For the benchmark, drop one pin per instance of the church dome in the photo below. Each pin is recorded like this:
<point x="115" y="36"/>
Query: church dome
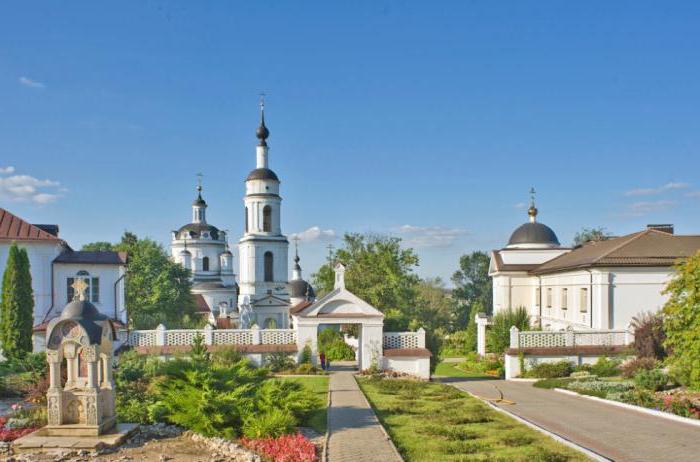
<point x="198" y="230"/>
<point x="533" y="233"/>
<point x="299" y="288"/>
<point x="81" y="309"/>
<point x="262" y="174"/>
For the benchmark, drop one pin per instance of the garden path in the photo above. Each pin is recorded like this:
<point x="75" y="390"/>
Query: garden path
<point x="615" y="433"/>
<point x="355" y="434"/>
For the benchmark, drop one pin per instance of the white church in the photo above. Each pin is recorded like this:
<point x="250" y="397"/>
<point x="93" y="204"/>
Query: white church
<point x="599" y="285"/>
<point x="264" y="295"/>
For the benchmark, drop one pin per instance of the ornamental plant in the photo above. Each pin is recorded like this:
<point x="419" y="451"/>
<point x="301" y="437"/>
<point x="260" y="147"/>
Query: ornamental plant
<point x="653" y="380"/>
<point x="286" y="448"/>
<point x="682" y="322"/>
<point x="16" y="305"/>
<point x="498" y="336"/>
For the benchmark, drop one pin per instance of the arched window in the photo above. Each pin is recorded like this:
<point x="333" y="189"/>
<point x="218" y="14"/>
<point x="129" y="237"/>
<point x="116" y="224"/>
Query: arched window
<point x="268" y="267"/>
<point x="246" y="219"/>
<point x="92" y="293"/>
<point x="267" y="218"/>
<point x="270" y="323"/>
<point x="205" y="264"/>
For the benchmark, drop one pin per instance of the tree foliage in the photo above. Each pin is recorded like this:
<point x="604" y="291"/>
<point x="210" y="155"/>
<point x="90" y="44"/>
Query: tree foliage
<point x="591" y="234"/>
<point x="16" y="305"/>
<point x="498" y="336"/>
<point x="649" y="335"/>
<point x="379" y="271"/>
<point x="682" y="322"/>
<point x="158" y="290"/>
<point x="472" y="284"/>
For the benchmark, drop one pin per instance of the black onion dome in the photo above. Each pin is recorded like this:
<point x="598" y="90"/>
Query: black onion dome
<point x="533" y="233"/>
<point x="227" y="253"/>
<point x="82" y="309"/>
<point x="262" y="133"/>
<point x="262" y="174"/>
<point x="299" y="288"/>
<point x="199" y="201"/>
<point x="195" y="230"/>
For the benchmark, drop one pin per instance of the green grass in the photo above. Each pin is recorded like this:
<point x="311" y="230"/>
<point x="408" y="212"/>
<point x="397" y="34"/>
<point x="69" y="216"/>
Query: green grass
<point x="451" y="370"/>
<point x="435" y="422"/>
<point x="318" y="385"/>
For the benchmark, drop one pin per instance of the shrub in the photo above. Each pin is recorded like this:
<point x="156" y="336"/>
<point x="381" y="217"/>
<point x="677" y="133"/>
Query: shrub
<point x="682" y="322"/>
<point x="553" y="383"/>
<point x="279" y="362"/>
<point x="606" y="367"/>
<point x="631" y="367"/>
<point x="599" y="388"/>
<point x="287" y="448"/>
<point x="305" y="357"/>
<point x="306" y="369"/>
<point x="653" y="380"/>
<point x="332" y="343"/>
<point x="498" y="337"/>
<point x="226" y="357"/>
<point x="550" y="370"/>
<point x="273" y="423"/>
<point x="649" y="335"/>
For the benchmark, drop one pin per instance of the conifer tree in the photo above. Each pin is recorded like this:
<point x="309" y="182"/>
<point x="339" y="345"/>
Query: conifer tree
<point x="16" y="305"/>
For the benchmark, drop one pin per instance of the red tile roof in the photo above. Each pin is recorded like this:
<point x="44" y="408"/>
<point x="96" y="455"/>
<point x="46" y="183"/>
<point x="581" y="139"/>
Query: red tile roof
<point x="201" y="304"/>
<point x="13" y="228"/>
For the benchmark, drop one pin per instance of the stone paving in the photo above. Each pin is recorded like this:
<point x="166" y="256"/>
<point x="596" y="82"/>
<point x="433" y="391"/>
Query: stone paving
<point x="618" y="434"/>
<point x="355" y="433"/>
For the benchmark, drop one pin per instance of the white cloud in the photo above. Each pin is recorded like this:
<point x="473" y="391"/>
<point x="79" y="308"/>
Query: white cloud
<point x="644" y="208"/>
<point x="26" y="188"/>
<point x="520" y="205"/>
<point x="693" y="194"/>
<point x="7" y="170"/>
<point x="429" y="236"/>
<point x="315" y="233"/>
<point x="661" y="189"/>
<point x="27" y="82"/>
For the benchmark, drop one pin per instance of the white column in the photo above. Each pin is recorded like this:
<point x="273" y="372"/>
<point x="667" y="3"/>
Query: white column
<point x="514" y="337"/>
<point x="160" y="335"/>
<point x="421" y="337"/>
<point x="208" y="335"/>
<point x="481" y="323"/>
<point x="257" y="338"/>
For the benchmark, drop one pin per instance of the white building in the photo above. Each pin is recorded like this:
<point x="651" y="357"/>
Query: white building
<point x="598" y="285"/>
<point x="202" y="248"/>
<point x="54" y="266"/>
<point x="264" y="298"/>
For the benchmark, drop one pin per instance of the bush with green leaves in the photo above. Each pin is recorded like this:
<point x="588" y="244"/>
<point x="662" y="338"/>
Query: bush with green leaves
<point x="632" y="366"/>
<point x="305" y="357"/>
<point x="16" y="304"/>
<point x="332" y="344"/>
<point x="649" y="335"/>
<point x="682" y="322"/>
<point x="550" y="370"/>
<point x="498" y="336"/>
<point x="606" y="367"/>
<point x="599" y="388"/>
<point x="653" y="380"/>
<point x="279" y="361"/>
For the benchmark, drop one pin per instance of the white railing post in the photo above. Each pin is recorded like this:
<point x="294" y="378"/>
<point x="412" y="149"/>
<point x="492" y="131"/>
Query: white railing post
<point x="421" y="337"/>
<point x="481" y="323"/>
<point x="570" y="337"/>
<point x="629" y="334"/>
<point x="160" y="335"/>
<point x="514" y="337"/>
<point x="255" y="330"/>
<point x="208" y="335"/>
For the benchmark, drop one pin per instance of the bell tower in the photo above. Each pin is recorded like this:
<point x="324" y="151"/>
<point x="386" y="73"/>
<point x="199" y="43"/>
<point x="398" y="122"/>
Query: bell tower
<point x="263" y="248"/>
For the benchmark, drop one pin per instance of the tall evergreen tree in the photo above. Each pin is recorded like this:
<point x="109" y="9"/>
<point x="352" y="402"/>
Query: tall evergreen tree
<point x="16" y="304"/>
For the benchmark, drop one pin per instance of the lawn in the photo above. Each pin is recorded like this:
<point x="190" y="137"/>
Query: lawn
<point x="434" y="422"/>
<point x="319" y="385"/>
<point x="451" y="370"/>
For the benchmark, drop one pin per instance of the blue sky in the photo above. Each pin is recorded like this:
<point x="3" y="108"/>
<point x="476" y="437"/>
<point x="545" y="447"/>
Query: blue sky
<point x="427" y="120"/>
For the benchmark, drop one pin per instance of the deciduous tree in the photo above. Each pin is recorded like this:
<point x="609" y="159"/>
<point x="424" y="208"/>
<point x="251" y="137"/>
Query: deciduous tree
<point x="472" y="284"/>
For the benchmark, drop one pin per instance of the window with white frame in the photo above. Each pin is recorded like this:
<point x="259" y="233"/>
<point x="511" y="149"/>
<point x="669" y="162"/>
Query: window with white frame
<point x="549" y="297"/>
<point x="93" y="287"/>
<point x="564" y="298"/>
<point x="537" y="296"/>
<point x="583" y="300"/>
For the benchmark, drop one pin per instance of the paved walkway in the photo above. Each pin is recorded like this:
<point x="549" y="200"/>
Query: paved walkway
<point x="616" y="433"/>
<point x="355" y="432"/>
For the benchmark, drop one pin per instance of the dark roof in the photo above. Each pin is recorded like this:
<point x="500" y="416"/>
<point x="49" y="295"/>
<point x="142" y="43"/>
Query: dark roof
<point x="86" y="314"/>
<point x="533" y="233"/>
<point x="407" y="352"/>
<point x="14" y="228"/>
<point x="195" y="230"/>
<point x="299" y="307"/>
<point x="262" y="174"/>
<point x="210" y="285"/>
<point x="299" y="288"/>
<point x="645" y="248"/>
<point x="106" y="257"/>
<point x="51" y="229"/>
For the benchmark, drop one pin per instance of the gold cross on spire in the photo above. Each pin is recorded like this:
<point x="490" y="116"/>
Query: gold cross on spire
<point x="79" y="287"/>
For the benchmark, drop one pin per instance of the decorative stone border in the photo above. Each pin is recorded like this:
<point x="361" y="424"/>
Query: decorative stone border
<point x="632" y="407"/>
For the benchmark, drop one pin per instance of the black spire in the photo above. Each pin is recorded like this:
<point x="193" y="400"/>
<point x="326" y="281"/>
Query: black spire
<point x="262" y="132"/>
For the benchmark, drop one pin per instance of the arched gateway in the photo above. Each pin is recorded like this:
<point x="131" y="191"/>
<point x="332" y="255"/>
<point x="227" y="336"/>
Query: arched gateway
<point x="341" y="306"/>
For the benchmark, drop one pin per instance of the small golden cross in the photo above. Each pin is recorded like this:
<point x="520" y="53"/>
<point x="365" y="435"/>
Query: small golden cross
<point x="79" y="286"/>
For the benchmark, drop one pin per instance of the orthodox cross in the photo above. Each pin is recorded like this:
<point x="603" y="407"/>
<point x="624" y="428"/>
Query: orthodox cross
<point x="330" y="250"/>
<point x="262" y="102"/>
<point x="79" y="286"/>
<point x="199" y="182"/>
<point x="296" y="240"/>
<point x="532" y="195"/>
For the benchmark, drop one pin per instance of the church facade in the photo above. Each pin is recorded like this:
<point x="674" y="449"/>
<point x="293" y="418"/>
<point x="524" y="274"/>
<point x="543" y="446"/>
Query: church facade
<point x="264" y="293"/>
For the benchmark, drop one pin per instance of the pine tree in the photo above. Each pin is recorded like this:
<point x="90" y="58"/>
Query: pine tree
<point x="16" y="305"/>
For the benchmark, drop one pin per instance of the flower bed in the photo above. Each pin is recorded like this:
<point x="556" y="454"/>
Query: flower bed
<point x="285" y="448"/>
<point x="10" y="433"/>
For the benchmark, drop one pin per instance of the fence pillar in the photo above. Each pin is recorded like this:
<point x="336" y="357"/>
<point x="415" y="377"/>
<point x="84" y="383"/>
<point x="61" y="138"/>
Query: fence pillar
<point x="514" y="337"/>
<point x="257" y="338"/>
<point x="208" y="335"/>
<point x="481" y="323"/>
<point x="160" y="335"/>
<point x="421" y="337"/>
<point x="570" y="337"/>
<point x="629" y="334"/>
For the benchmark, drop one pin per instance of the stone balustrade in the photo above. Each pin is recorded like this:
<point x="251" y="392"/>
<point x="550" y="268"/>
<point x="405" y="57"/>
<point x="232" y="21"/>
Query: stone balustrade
<point x="405" y="339"/>
<point x="161" y="336"/>
<point x="569" y="338"/>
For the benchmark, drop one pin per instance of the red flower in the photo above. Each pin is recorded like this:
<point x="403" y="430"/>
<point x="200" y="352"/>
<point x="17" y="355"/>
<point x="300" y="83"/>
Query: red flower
<point x="286" y="448"/>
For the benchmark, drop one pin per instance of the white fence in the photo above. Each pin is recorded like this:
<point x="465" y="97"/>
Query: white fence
<point x="569" y="338"/>
<point x="161" y="336"/>
<point x="405" y="339"/>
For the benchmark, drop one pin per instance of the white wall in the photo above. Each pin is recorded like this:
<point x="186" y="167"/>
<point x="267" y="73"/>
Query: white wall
<point x="419" y="367"/>
<point x="108" y="274"/>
